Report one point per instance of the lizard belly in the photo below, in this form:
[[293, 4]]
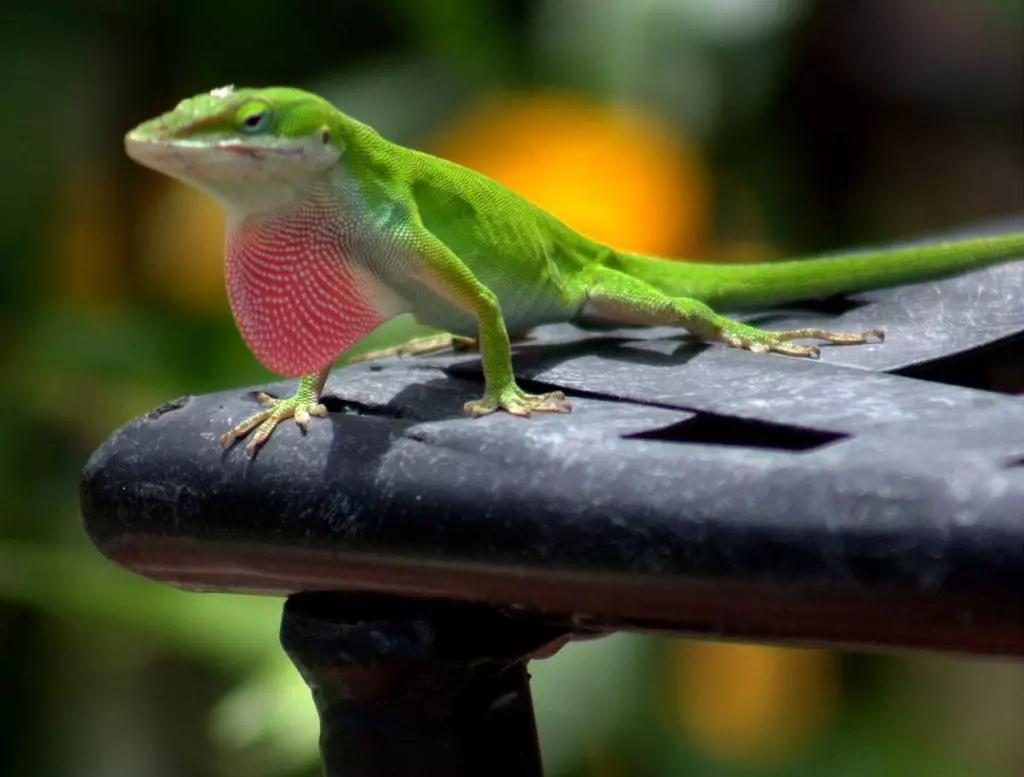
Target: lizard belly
[[520, 312], [298, 296]]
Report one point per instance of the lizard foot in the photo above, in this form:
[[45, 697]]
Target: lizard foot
[[417, 346], [751, 338], [517, 402], [265, 421]]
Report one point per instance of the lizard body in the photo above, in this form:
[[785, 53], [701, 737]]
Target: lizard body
[[333, 230]]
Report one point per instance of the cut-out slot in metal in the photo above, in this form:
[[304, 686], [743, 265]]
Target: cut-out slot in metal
[[998, 367], [707, 429]]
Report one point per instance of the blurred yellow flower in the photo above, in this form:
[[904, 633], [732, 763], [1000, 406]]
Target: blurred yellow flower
[[177, 254], [85, 251], [760, 707], [182, 248], [619, 176]]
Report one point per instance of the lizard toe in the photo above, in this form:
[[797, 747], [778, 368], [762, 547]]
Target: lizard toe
[[519, 403]]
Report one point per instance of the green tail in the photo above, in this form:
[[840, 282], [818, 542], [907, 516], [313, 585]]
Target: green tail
[[747, 285]]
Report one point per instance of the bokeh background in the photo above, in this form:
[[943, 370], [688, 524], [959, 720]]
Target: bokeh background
[[711, 128]]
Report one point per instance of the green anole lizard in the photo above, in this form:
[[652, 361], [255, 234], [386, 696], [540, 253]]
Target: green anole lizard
[[332, 230]]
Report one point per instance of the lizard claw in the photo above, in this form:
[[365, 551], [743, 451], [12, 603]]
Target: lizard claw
[[750, 338], [266, 421]]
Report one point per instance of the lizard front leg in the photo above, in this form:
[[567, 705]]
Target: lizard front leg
[[305, 402], [444, 274]]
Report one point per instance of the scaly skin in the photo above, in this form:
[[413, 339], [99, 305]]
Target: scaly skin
[[332, 230]]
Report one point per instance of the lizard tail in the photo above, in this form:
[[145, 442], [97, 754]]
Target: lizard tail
[[745, 285]]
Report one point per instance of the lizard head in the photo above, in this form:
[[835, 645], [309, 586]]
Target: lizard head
[[250, 149]]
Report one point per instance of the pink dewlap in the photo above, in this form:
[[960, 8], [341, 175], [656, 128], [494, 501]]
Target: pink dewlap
[[297, 299]]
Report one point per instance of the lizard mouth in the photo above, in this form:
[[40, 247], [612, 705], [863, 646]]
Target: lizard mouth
[[148, 150], [212, 160]]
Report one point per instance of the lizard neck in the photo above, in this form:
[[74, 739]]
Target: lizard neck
[[298, 297], [243, 198]]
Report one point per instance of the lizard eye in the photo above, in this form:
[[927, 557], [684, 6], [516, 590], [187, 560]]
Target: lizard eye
[[255, 120]]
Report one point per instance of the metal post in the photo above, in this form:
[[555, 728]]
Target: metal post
[[411, 688]]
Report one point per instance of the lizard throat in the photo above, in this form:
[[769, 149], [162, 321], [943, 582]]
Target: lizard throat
[[298, 298]]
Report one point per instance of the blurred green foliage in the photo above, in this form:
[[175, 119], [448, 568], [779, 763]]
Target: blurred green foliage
[[809, 125]]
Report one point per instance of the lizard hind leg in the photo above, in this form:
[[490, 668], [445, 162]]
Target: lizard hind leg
[[418, 346], [422, 346], [751, 338], [614, 297]]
